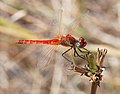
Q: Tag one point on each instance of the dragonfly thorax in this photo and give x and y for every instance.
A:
(68, 40)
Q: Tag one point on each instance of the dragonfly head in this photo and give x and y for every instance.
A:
(81, 43)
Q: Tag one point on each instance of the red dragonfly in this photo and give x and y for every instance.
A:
(64, 40)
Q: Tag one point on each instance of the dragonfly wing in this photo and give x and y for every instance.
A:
(45, 55)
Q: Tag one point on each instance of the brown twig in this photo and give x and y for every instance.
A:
(94, 87)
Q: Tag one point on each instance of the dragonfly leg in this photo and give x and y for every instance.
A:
(86, 51)
(66, 57)
(76, 53)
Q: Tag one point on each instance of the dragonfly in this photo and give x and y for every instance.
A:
(67, 40)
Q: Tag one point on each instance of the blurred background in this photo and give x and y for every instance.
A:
(98, 21)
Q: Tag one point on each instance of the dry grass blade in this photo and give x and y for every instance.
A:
(15, 30)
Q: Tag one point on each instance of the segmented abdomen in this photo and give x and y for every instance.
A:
(49, 41)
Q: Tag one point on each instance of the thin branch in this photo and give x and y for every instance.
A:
(94, 87)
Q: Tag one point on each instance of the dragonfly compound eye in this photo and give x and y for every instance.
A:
(82, 42)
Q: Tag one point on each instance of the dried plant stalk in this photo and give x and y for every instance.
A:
(94, 68)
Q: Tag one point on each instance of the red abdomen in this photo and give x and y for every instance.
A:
(55, 41)
(50, 41)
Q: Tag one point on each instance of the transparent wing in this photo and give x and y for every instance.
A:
(45, 55)
(74, 28)
(57, 22)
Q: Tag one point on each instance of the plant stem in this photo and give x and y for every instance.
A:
(94, 87)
